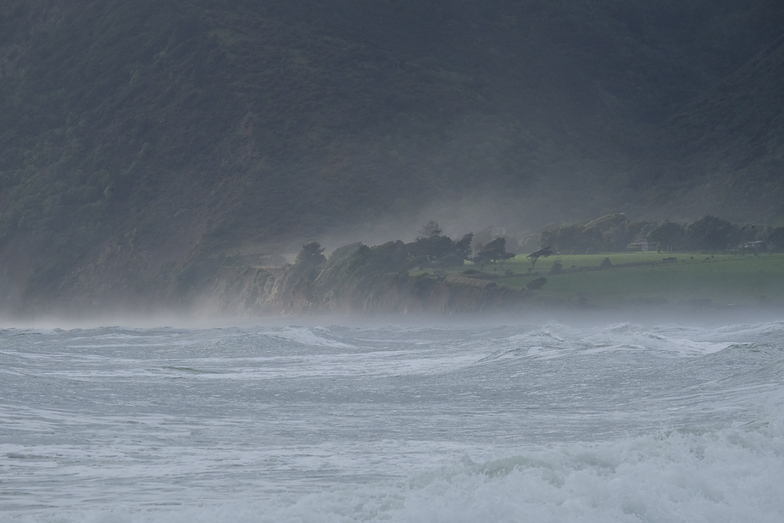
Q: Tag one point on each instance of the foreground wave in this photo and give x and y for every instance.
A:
(481, 422)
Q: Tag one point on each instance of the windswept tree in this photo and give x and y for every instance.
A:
(311, 255)
(541, 253)
(430, 229)
(492, 252)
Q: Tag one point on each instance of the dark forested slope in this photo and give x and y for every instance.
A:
(142, 142)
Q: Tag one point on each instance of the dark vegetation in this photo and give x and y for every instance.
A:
(434, 251)
(608, 234)
(711, 270)
(616, 232)
(142, 144)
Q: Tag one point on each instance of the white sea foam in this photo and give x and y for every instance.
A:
(730, 475)
(496, 423)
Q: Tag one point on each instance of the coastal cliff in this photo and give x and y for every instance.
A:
(351, 281)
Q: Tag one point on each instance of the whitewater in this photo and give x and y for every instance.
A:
(451, 420)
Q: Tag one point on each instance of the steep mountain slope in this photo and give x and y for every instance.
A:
(143, 142)
(725, 149)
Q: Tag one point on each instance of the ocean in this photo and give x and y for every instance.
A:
(452, 419)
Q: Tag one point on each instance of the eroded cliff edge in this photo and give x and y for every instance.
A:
(355, 279)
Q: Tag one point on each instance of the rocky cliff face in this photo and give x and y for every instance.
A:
(346, 285)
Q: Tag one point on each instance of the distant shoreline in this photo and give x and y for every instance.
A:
(634, 281)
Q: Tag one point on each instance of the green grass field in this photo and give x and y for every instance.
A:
(643, 277)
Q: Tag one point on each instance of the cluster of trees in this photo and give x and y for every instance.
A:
(431, 250)
(615, 232)
(714, 234)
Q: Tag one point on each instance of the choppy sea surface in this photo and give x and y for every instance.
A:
(449, 421)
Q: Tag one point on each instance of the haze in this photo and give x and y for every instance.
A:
(149, 149)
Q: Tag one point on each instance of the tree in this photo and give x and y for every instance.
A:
(493, 251)
(430, 229)
(429, 250)
(541, 253)
(668, 236)
(311, 255)
(776, 239)
(439, 251)
(463, 246)
(711, 234)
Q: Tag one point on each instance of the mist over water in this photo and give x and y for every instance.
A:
(382, 420)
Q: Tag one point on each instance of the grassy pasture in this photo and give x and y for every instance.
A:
(643, 277)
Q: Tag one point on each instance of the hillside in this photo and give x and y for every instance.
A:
(143, 142)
